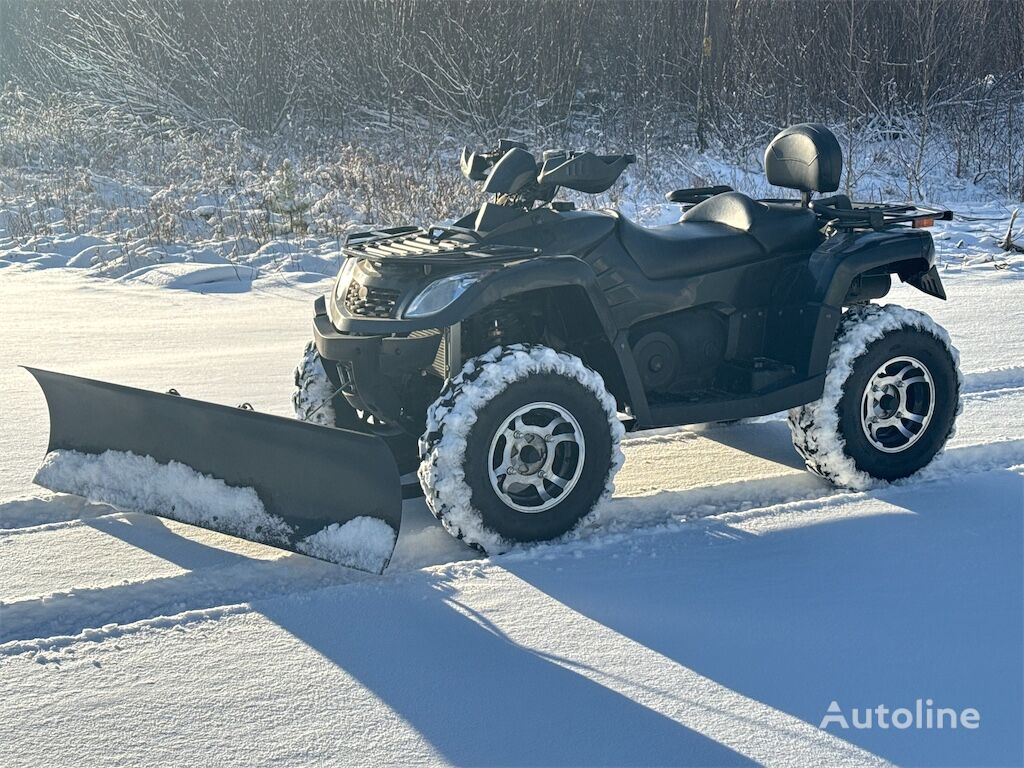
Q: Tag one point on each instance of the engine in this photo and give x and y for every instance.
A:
(681, 352)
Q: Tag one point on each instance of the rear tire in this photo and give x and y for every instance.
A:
(519, 447)
(891, 398)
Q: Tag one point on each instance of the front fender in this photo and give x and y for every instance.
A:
(533, 275)
(505, 280)
(537, 273)
(558, 272)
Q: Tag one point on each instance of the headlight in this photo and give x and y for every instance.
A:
(344, 278)
(440, 293)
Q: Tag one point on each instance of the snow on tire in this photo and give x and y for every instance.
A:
(890, 401)
(520, 446)
(313, 390)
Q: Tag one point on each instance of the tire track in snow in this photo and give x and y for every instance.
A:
(993, 379)
(625, 513)
(31, 530)
(85, 614)
(47, 509)
(77, 610)
(66, 618)
(964, 460)
(805, 511)
(113, 631)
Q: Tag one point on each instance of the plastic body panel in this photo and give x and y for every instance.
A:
(782, 305)
(846, 255)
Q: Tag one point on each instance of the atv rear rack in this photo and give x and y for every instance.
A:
(841, 214)
(439, 244)
(837, 211)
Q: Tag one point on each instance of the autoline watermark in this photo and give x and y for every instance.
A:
(924, 715)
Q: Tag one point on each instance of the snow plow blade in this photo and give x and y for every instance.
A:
(324, 492)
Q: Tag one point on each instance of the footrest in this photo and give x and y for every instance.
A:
(752, 376)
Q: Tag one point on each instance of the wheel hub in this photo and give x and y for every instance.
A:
(897, 405)
(536, 457)
(888, 403)
(529, 453)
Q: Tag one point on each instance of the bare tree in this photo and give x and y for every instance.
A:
(645, 72)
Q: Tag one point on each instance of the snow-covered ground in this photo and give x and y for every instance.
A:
(710, 614)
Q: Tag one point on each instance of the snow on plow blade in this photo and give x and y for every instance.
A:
(330, 493)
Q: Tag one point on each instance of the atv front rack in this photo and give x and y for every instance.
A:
(438, 244)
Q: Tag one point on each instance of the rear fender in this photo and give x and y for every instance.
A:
(857, 266)
(841, 264)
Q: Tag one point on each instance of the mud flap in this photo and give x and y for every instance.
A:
(307, 476)
(929, 282)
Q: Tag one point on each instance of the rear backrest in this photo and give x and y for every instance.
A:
(806, 157)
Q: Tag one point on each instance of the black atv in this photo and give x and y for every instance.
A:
(503, 356)
(517, 342)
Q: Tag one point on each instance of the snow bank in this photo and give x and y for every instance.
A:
(176, 263)
(140, 483)
(190, 275)
(365, 543)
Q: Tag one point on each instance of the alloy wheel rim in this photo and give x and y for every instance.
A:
(897, 404)
(536, 457)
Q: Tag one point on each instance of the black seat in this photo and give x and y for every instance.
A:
(777, 227)
(731, 229)
(682, 250)
(728, 230)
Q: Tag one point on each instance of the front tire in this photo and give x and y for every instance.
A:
(314, 398)
(891, 398)
(317, 400)
(519, 447)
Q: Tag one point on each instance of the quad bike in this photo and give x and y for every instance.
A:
(500, 358)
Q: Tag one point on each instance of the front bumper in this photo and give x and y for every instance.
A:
(396, 353)
(371, 368)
